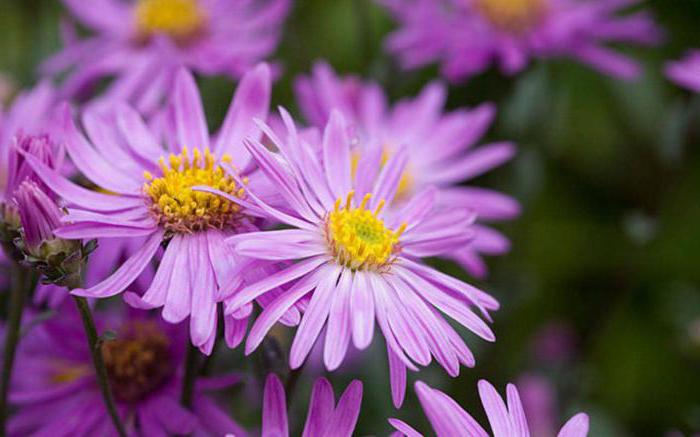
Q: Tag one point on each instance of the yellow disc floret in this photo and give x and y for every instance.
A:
(512, 15)
(358, 238)
(178, 207)
(179, 19)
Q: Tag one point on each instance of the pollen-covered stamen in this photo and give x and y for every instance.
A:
(179, 19)
(179, 208)
(512, 15)
(139, 361)
(358, 239)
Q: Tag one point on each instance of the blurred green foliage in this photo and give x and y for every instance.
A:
(609, 241)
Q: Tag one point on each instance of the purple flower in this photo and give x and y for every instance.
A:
(56, 390)
(354, 261)
(143, 43)
(152, 201)
(440, 148)
(686, 72)
(466, 36)
(324, 417)
(449, 419)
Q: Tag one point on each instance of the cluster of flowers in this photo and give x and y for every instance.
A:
(323, 225)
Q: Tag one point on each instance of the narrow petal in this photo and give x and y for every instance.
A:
(338, 331)
(274, 416)
(251, 101)
(321, 408)
(517, 414)
(348, 410)
(336, 155)
(313, 320)
(362, 311)
(190, 123)
(496, 410)
(127, 273)
(577, 426)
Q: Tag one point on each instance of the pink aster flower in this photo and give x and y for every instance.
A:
(686, 72)
(354, 262)
(324, 418)
(440, 145)
(151, 199)
(466, 36)
(56, 393)
(143, 43)
(449, 419)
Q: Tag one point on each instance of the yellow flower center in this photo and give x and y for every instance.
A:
(512, 15)
(179, 208)
(179, 19)
(358, 239)
(138, 361)
(405, 183)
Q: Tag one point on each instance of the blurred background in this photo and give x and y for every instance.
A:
(601, 292)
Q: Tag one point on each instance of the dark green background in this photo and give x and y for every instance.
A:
(609, 242)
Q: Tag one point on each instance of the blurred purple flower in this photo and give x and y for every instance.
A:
(554, 343)
(357, 262)
(143, 43)
(686, 72)
(539, 402)
(150, 197)
(56, 392)
(324, 418)
(466, 36)
(440, 148)
(449, 419)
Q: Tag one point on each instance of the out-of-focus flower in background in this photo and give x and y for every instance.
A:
(686, 71)
(56, 392)
(467, 36)
(141, 44)
(440, 147)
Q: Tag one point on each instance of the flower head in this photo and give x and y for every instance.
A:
(441, 149)
(448, 418)
(324, 416)
(357, 258)
(58, 390)
(466, 36)
(686, 72)
(151, 200)
(143, 43)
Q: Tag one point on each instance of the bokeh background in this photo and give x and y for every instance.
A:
(601, 292)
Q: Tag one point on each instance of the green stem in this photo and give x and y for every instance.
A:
(191, 368)
(20, 276)
(95, 344)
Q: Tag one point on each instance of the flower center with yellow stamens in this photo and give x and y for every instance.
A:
(405, 183)
(179, 208)
(139, 361)
(358, 239)
(514, 16)
(179, 19)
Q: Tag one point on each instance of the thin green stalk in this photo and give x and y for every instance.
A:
(20, 276)
(95, 344)
(191, 369)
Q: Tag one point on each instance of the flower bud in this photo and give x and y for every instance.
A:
(17, 171)
(59, 261)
